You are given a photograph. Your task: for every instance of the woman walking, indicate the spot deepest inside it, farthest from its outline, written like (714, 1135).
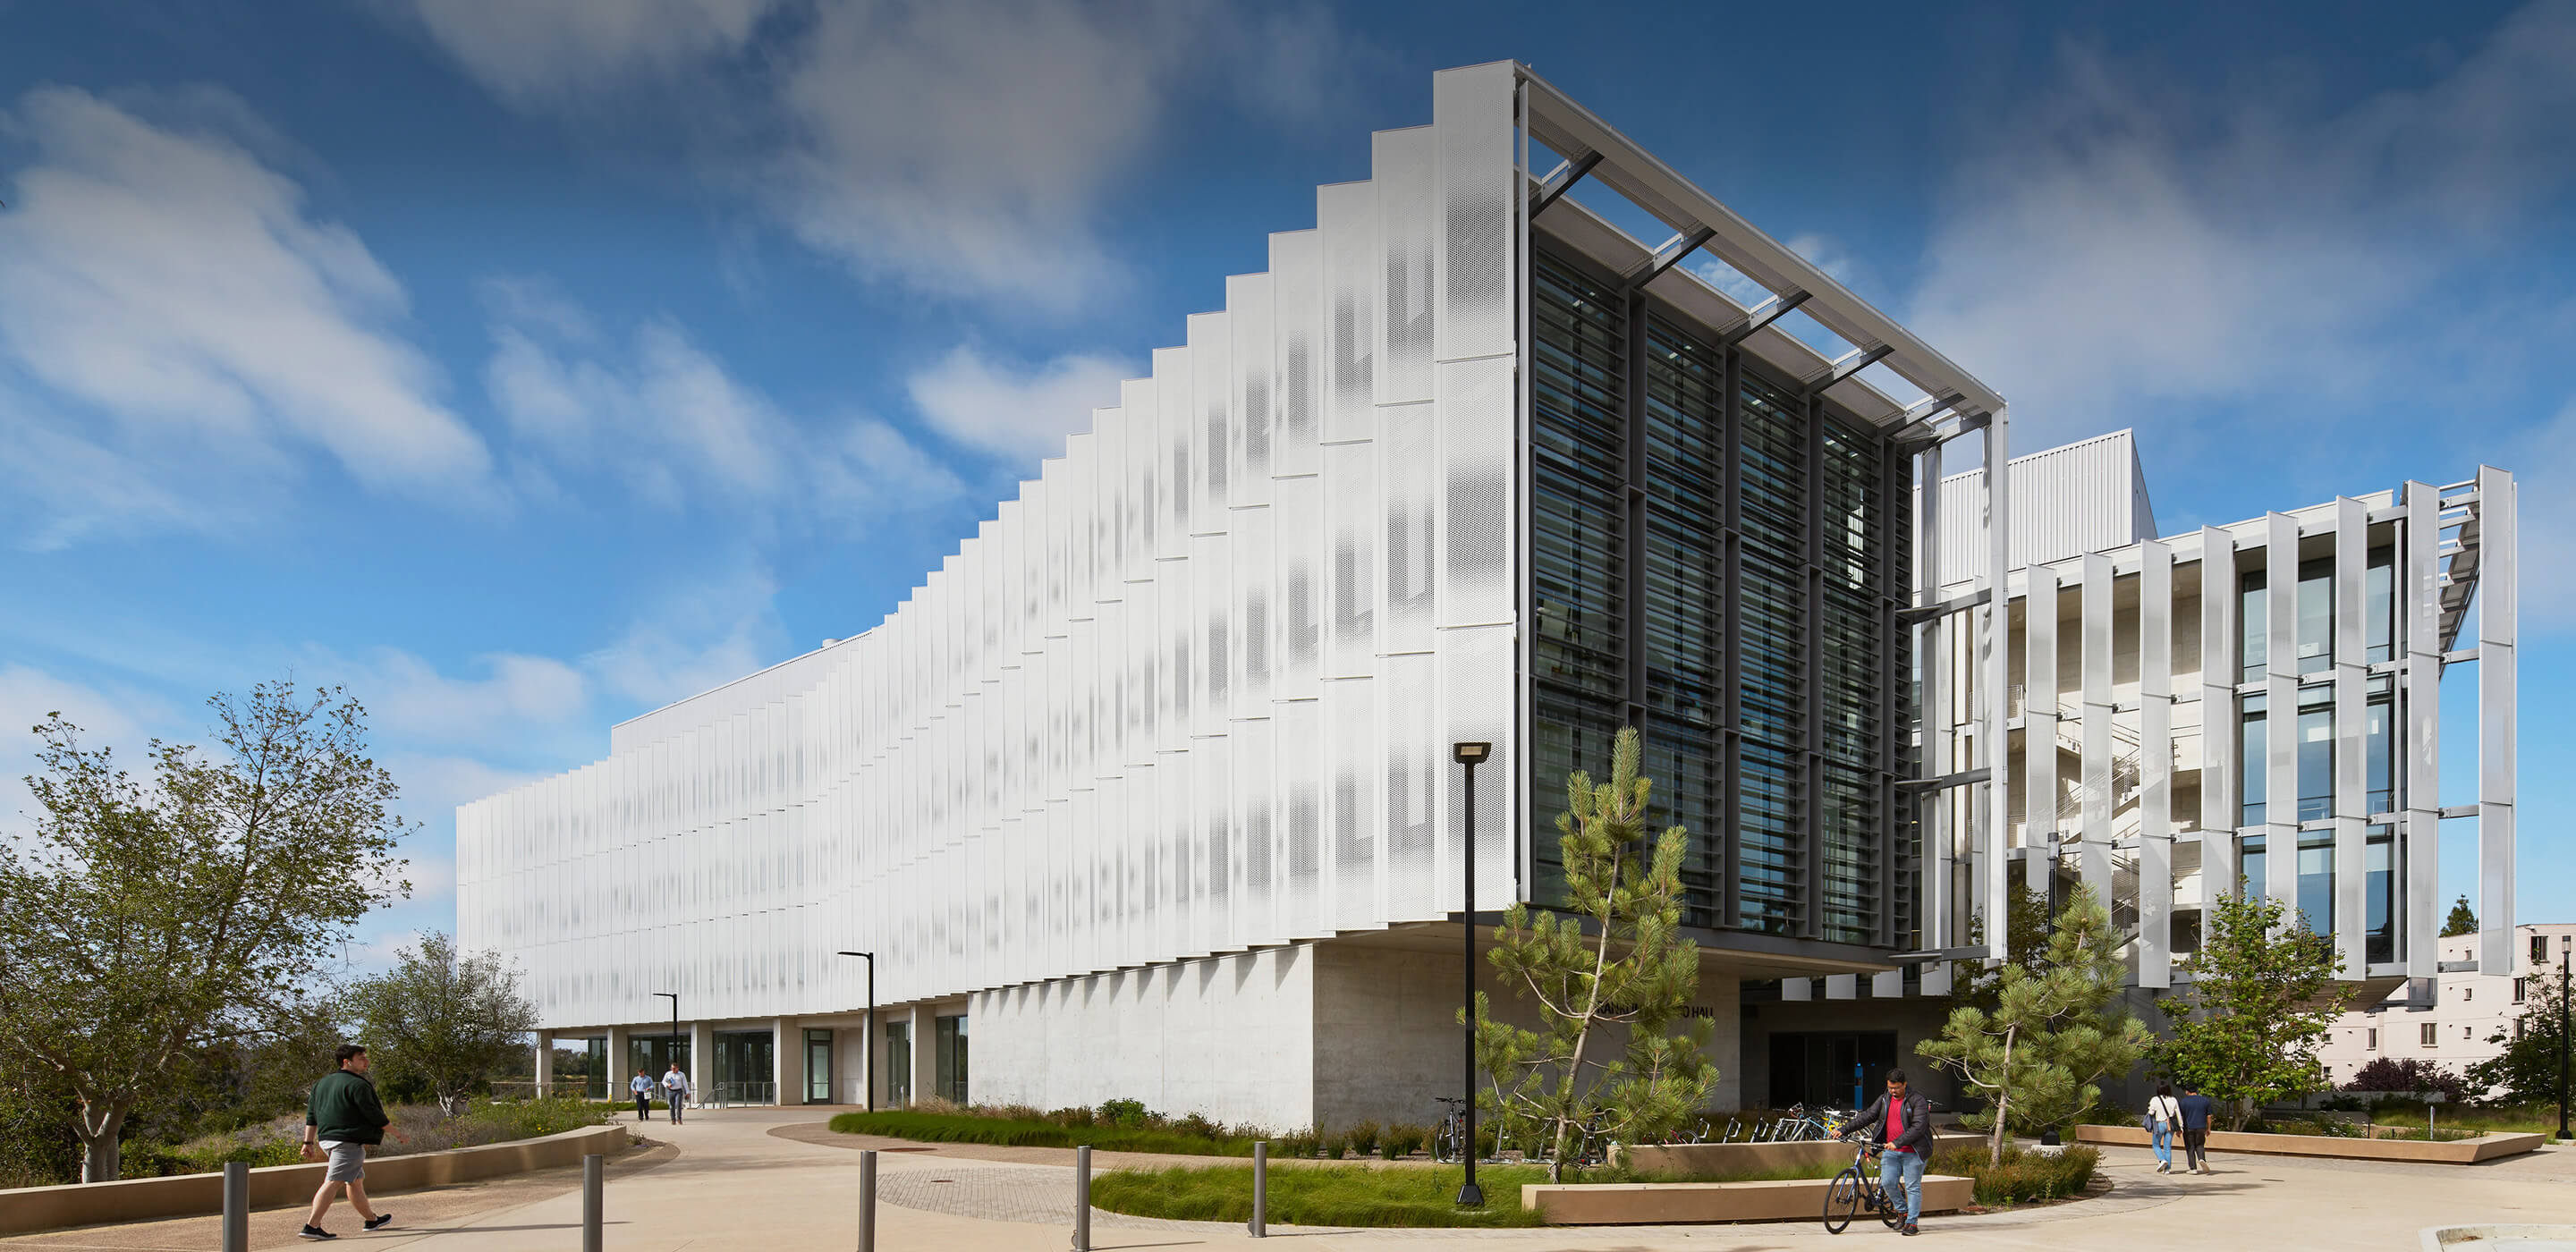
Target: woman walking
(2164, 1119)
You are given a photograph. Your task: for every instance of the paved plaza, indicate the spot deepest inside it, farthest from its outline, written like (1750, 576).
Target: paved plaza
(769, 1180)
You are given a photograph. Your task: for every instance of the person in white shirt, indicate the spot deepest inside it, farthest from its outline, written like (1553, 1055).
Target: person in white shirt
(642, 1085)
(675, 1088)
(2164, 1121)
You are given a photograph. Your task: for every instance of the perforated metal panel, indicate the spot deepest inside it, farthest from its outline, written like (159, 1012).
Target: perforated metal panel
(1401, 165)
(1190, 690)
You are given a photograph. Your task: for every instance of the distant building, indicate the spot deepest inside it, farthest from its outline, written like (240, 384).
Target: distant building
(2472, 1008)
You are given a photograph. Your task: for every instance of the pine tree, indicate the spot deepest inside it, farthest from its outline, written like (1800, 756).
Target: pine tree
(1632, 970)
(2461, 921)
(2262, 1000)
(2040, 1052)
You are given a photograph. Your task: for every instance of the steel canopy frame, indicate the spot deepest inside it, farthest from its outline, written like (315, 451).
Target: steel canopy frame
(1556, 120)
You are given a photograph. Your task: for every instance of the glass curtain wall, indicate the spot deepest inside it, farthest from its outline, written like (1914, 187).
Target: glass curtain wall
(1746, 623)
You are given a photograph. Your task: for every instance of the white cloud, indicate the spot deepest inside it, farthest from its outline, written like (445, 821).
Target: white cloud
(2543, 461)
(187, 336)
(669, 419)
(965, 149)
(1011, 410)
(702, 639)
(113, 717)
(409, 700)
(2125, 252)
(528, 50)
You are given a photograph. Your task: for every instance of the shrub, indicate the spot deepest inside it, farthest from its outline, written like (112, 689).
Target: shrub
(1404, 1141)
(1294, 1145)
(2411, 1075)
(1072, 1118)
(1364, 1137)
(1195, 1125)
(2023, 1176)
(967, 1128)
(1128, 1113)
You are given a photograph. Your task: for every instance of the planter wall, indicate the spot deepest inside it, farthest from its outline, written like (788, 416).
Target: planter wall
(2459, 1152)
(1659, 1203)
(1735, 1158)
(29, 1209)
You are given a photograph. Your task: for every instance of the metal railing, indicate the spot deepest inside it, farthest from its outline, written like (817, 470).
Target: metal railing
(732, 1093)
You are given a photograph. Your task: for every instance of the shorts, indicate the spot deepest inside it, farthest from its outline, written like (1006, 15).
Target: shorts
(348, 1162)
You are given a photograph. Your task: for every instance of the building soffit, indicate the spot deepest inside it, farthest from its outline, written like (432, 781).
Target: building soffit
(1556, 120)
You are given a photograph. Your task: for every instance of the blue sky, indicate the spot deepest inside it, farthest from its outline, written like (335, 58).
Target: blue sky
(525, 364)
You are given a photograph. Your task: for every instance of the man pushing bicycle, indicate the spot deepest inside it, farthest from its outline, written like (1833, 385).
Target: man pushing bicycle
(1900, 1125)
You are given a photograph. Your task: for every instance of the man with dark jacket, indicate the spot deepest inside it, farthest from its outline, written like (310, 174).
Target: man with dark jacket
(2196, 1109)
(1901, 1125)
(341, 1118)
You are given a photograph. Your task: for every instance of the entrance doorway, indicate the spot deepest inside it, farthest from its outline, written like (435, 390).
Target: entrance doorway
(1837, 1069)
(746, 1067)
(818, 1067)
(898, 1055)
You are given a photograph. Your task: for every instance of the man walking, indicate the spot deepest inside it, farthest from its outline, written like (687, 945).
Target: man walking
(675, 1088)
(1901, 1124)
(341, 1118)
(642, 1085)
(2196, 1109)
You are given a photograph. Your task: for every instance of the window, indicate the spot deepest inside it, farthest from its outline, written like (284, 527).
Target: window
(2427, 1034)
(898, 1057)
(2379, 604)
(2316, 753)
(2467, 994)
(2370, 1040)
(2518, 989)
(2254, 774)
(2540, 949)
(2254, 612)
(2464, 1032)
(2316, 615)
(949, 1076)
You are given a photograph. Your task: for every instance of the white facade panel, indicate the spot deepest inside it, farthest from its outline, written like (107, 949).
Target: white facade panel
(1190, 691)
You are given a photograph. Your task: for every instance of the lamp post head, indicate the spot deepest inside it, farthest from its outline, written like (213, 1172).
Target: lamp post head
(1471, 753)
(869, 955)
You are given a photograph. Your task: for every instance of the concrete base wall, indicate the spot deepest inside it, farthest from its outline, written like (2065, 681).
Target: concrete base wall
(1388, 1042)
(1230, 1037)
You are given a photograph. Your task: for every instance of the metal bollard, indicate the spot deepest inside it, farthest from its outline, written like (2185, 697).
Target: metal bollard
(868, 1200)
(594, 1178)
(236, 1206)
(1260, 1188)
(1082, 1198)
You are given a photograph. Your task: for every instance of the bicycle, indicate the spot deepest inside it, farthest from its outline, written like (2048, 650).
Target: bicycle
(1452, 1131)
(1856, 1188)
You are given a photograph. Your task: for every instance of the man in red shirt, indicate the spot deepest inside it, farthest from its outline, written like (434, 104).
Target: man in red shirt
(1901, 1125)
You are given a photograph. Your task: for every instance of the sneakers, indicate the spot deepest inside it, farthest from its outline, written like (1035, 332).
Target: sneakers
(1911, 1229)
(380, 1221)
(315, 1232)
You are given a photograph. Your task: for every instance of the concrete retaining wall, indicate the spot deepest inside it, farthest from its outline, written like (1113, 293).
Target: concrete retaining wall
(2458, 1152)
(29, 1209)
(1656, 1203)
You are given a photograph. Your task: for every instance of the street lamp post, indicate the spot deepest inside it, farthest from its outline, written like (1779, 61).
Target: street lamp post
(868, 1033)
(673, 1056)
(1470, 755)
(2563, 1136)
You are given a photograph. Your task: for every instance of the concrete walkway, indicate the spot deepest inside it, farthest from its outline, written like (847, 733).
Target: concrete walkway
(736, 1185)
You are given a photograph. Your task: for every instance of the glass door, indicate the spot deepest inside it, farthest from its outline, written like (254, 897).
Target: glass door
(898, 1057)
(818, 1067)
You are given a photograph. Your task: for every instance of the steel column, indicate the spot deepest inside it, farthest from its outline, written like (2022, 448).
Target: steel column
(2155, 764)
(1731, 665)
(2498, 717)
(2093, 852)
(2281, 717)
(2419, 726)
(1939, 901)
(1996, 675)
(2039, 703)
(2351, 723)
(2220, 723)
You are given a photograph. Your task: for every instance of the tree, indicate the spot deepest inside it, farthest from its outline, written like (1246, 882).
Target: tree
(2262, 1000)
(442, 1020)
(1614, 958)
(2461, 921)
(2039, 1054)
(144, 919)
(2412, 1075)
(2526, 1072)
